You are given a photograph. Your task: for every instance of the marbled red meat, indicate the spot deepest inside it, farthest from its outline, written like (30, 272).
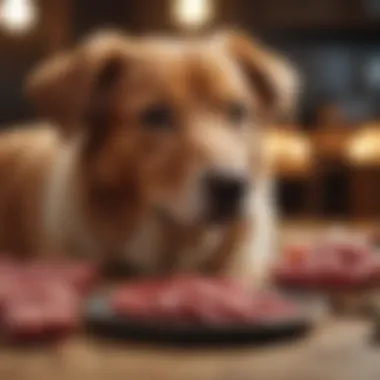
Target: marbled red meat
(329, 266)
(40, 300)
(194, 300)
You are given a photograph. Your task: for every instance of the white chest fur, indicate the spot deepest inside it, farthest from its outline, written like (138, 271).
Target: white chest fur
(65, 230)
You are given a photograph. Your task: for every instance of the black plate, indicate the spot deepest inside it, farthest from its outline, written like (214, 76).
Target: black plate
(102, 321)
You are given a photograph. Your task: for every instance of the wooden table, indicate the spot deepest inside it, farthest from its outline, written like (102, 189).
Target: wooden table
(337, 350)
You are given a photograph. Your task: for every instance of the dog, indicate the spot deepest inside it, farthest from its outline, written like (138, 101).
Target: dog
(149, 154)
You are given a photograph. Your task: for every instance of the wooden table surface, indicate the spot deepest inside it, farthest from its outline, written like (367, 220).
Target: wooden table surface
(338, 349)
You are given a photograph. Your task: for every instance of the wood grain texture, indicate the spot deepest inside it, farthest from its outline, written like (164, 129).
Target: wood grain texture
(338, 350)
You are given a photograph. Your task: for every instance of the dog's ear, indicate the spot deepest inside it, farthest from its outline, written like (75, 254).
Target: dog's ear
(73, 89)
(274, 80)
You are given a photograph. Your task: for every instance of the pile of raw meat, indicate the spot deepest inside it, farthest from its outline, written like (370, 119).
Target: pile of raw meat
(41, 300)
(199, 301)
(329, 266)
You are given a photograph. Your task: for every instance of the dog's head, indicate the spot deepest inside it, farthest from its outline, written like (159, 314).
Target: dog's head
(171, 125)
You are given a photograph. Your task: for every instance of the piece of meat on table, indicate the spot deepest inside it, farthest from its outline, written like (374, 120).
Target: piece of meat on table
(338, 265)
(48, 311)
(40, 300)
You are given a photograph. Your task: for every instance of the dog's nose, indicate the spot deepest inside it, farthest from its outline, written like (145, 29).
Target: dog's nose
(225, 195)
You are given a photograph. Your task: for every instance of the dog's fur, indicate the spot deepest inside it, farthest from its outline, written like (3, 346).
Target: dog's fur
(96, 181)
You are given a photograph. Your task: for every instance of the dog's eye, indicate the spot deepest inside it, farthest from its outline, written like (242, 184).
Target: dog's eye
(157, 117)
(237, 112)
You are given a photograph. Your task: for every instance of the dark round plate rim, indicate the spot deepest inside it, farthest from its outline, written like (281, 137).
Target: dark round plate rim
(122, 328)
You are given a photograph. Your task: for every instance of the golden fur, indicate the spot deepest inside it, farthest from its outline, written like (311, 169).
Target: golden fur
(90, 181)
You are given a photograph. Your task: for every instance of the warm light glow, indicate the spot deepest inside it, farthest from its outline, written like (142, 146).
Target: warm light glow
(364, 147)
(288, 149)
(18, 16)
(192, 13)
(299, 149)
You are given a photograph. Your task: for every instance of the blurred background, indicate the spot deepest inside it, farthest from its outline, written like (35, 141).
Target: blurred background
(327, 160)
